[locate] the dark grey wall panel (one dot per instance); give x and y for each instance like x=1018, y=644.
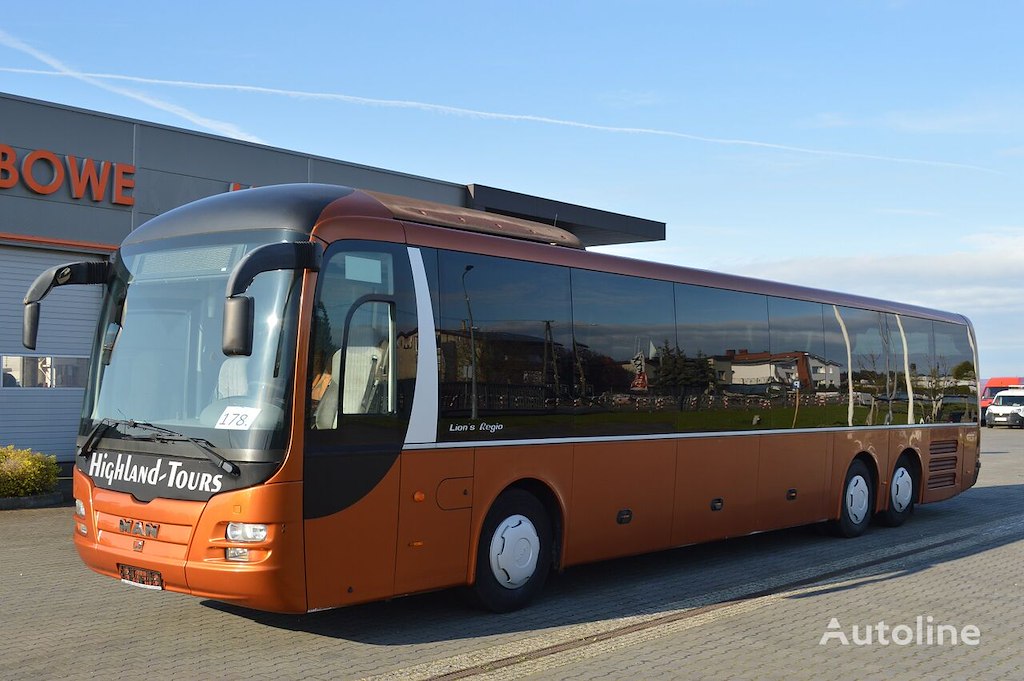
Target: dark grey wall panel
x=216, y=159
x=77, y=221
x=65, y=131
x=158, y=191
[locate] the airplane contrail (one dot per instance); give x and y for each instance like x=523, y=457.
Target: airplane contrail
x=60, y=69
x=492, y=115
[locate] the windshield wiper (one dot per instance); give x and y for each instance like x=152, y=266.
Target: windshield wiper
x=98, y=429
x=161, y=435
x=168, y=435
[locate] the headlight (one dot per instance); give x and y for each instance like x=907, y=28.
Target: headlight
x=79, y=508
x=247, y=532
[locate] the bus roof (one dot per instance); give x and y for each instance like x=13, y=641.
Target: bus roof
x=301, y=206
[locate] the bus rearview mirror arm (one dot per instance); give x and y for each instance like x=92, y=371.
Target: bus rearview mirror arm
x=239, y=310
x=88, y=272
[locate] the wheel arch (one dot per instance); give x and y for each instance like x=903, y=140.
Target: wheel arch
x=553, y=505
x=918, y=469
x=872, y=465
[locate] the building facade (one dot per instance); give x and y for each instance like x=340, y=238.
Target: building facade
x=74, y=183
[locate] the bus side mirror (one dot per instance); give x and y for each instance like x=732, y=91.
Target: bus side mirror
x=30, y=326
x=238, y=326
x=239, y=310
x=89, y=272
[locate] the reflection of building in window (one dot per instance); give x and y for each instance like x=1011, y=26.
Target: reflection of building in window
x=44, y=372
x=762, y=368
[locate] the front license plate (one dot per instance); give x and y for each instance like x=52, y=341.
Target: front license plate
x=147, y=579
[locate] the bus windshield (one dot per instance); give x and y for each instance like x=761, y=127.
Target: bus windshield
x=157, y=355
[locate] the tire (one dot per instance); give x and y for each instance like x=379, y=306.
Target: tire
x=857, y=502
x=514, y=555
x=903, y=489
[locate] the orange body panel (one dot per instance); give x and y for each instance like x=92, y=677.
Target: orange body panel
x=791, y=479
x=434, y=515
x=350, y=556
x=375, y=228
x=613, y=478
x=709, y=469
x=274, y=579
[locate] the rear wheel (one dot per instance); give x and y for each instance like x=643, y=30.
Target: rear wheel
x=514, y=556
x=902, y=493
x=856, y=507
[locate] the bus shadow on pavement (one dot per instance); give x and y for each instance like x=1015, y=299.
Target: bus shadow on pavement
x=690, y=577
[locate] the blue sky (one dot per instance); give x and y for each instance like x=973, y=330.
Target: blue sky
x=869, y=147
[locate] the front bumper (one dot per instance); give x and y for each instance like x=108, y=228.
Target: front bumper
x=1011, y=419
x=183, y=541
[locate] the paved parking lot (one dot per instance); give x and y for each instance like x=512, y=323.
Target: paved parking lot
x=770, y=606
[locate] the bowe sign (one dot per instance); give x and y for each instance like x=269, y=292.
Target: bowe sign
x=43, y=172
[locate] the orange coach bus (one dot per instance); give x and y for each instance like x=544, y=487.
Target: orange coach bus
x=308, y=396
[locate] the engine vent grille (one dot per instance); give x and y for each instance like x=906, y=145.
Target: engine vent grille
x=943, y=464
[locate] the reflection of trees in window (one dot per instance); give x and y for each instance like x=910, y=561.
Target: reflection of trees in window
x=617, y=321
x=504, y=334
x=956, y=371
x=684, y=377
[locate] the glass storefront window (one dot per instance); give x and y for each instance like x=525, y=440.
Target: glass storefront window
x=21, y=371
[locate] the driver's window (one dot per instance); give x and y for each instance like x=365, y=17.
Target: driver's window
x=352, y=346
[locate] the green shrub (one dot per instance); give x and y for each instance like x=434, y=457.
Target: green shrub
x=24, y=473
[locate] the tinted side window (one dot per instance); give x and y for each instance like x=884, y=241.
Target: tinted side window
x=722, y=343
x=624, y=329
x=805, y=385
x=955, y=396
x=917, y=374
x=880, y=395
x=505, y=346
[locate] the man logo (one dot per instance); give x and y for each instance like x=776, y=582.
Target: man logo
x=138, y=528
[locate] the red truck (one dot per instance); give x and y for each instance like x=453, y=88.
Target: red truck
x=997, y=385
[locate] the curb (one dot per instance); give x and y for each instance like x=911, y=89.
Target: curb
x=36, y=501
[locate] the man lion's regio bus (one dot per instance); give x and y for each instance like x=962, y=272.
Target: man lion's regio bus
x=307, y=396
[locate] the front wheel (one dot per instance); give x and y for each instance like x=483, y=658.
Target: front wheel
x=514, y=556
x=902, y=493
x=856, y=507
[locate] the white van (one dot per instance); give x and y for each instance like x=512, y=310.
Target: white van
x=1007, y=408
